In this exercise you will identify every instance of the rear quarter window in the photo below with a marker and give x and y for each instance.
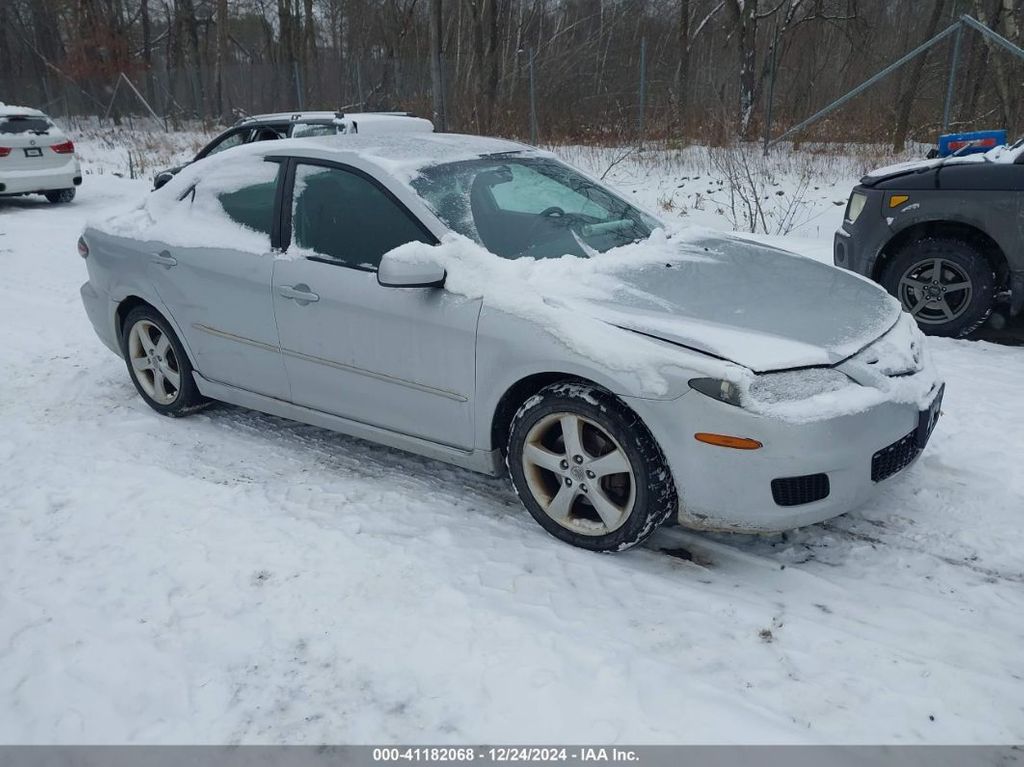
(251, 206)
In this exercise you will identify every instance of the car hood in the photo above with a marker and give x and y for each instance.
(755, 305)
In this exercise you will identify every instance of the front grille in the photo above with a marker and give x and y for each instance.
(796, 491)
(895, 458)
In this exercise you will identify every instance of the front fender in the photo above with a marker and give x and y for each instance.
(994, 215)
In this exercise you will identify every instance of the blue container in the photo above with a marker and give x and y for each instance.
(980, 141)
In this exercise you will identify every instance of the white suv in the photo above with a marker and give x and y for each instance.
(36, 157)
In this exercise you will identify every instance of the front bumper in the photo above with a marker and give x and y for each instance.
(725, 489)
(856, 246)
(66, 176)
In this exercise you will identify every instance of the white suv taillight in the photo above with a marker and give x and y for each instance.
(67, 147)
(83, 247)
(4, 151)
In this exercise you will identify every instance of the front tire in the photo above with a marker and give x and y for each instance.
(158, 365)
(946, 283)
(60, 196)
(587, 468)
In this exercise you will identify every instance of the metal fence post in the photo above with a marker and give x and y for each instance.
(643, 89)
(298, 85)
(770, 95)
(533, 102)
(951, 29)
(950, 86)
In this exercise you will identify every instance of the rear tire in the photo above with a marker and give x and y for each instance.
(587, 468)
(946, 284)
(158, 365)
(60, 196)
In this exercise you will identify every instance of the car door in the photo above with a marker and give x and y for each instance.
(402, 359)
(215, 273)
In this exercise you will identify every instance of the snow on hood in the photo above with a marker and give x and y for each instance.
(751, 304)
(999, 154)
(548, 292)
(741, 302)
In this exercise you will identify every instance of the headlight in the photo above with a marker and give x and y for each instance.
(793, 385)
(716, 388)
(855, 206)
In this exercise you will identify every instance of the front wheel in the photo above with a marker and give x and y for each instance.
(158, 365)
(946, 283)
(587, 468)
(60, 196)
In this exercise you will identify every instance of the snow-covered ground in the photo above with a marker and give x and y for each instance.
(232, 577)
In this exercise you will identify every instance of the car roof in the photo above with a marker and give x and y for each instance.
(404, 154)
(9, 110)
(400, 155)
(277, 117)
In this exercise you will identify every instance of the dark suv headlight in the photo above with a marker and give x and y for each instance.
(855, 206)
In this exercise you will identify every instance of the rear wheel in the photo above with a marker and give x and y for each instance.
(158, 365)
(946, 283)
(58, 196)
(587, 468)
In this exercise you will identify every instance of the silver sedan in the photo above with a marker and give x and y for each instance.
(479, 302)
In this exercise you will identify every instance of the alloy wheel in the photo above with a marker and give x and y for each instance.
(935, 291)
(154, 363)
(579, 474)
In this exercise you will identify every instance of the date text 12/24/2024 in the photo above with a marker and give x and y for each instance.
(496, 754)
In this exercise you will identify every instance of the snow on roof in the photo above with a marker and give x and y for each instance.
(10, 110)
(403, 155)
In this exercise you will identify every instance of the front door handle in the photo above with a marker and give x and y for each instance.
(300, 293)
(163, 258)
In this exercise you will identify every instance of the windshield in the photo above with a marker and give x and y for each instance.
(25, 124)
(538, 207)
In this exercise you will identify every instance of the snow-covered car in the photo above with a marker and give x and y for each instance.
(36, 157)
(271, 127)
(477, 301)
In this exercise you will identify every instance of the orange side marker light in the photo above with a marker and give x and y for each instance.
(724, 440)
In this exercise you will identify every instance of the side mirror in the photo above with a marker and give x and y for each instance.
(397, 273)
(161, 178)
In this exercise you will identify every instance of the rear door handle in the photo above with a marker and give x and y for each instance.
(163, 258)
(300, 293)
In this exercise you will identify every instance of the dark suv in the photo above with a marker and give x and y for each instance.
(946, 237)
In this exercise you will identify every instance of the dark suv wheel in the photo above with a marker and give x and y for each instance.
(946, 283)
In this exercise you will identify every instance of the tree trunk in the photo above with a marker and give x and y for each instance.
(1004, 17)
(906, 100)
(223, 110)
(743, 15)
(147, 49)
(309, 52)
(436, 71)
(683, 65)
